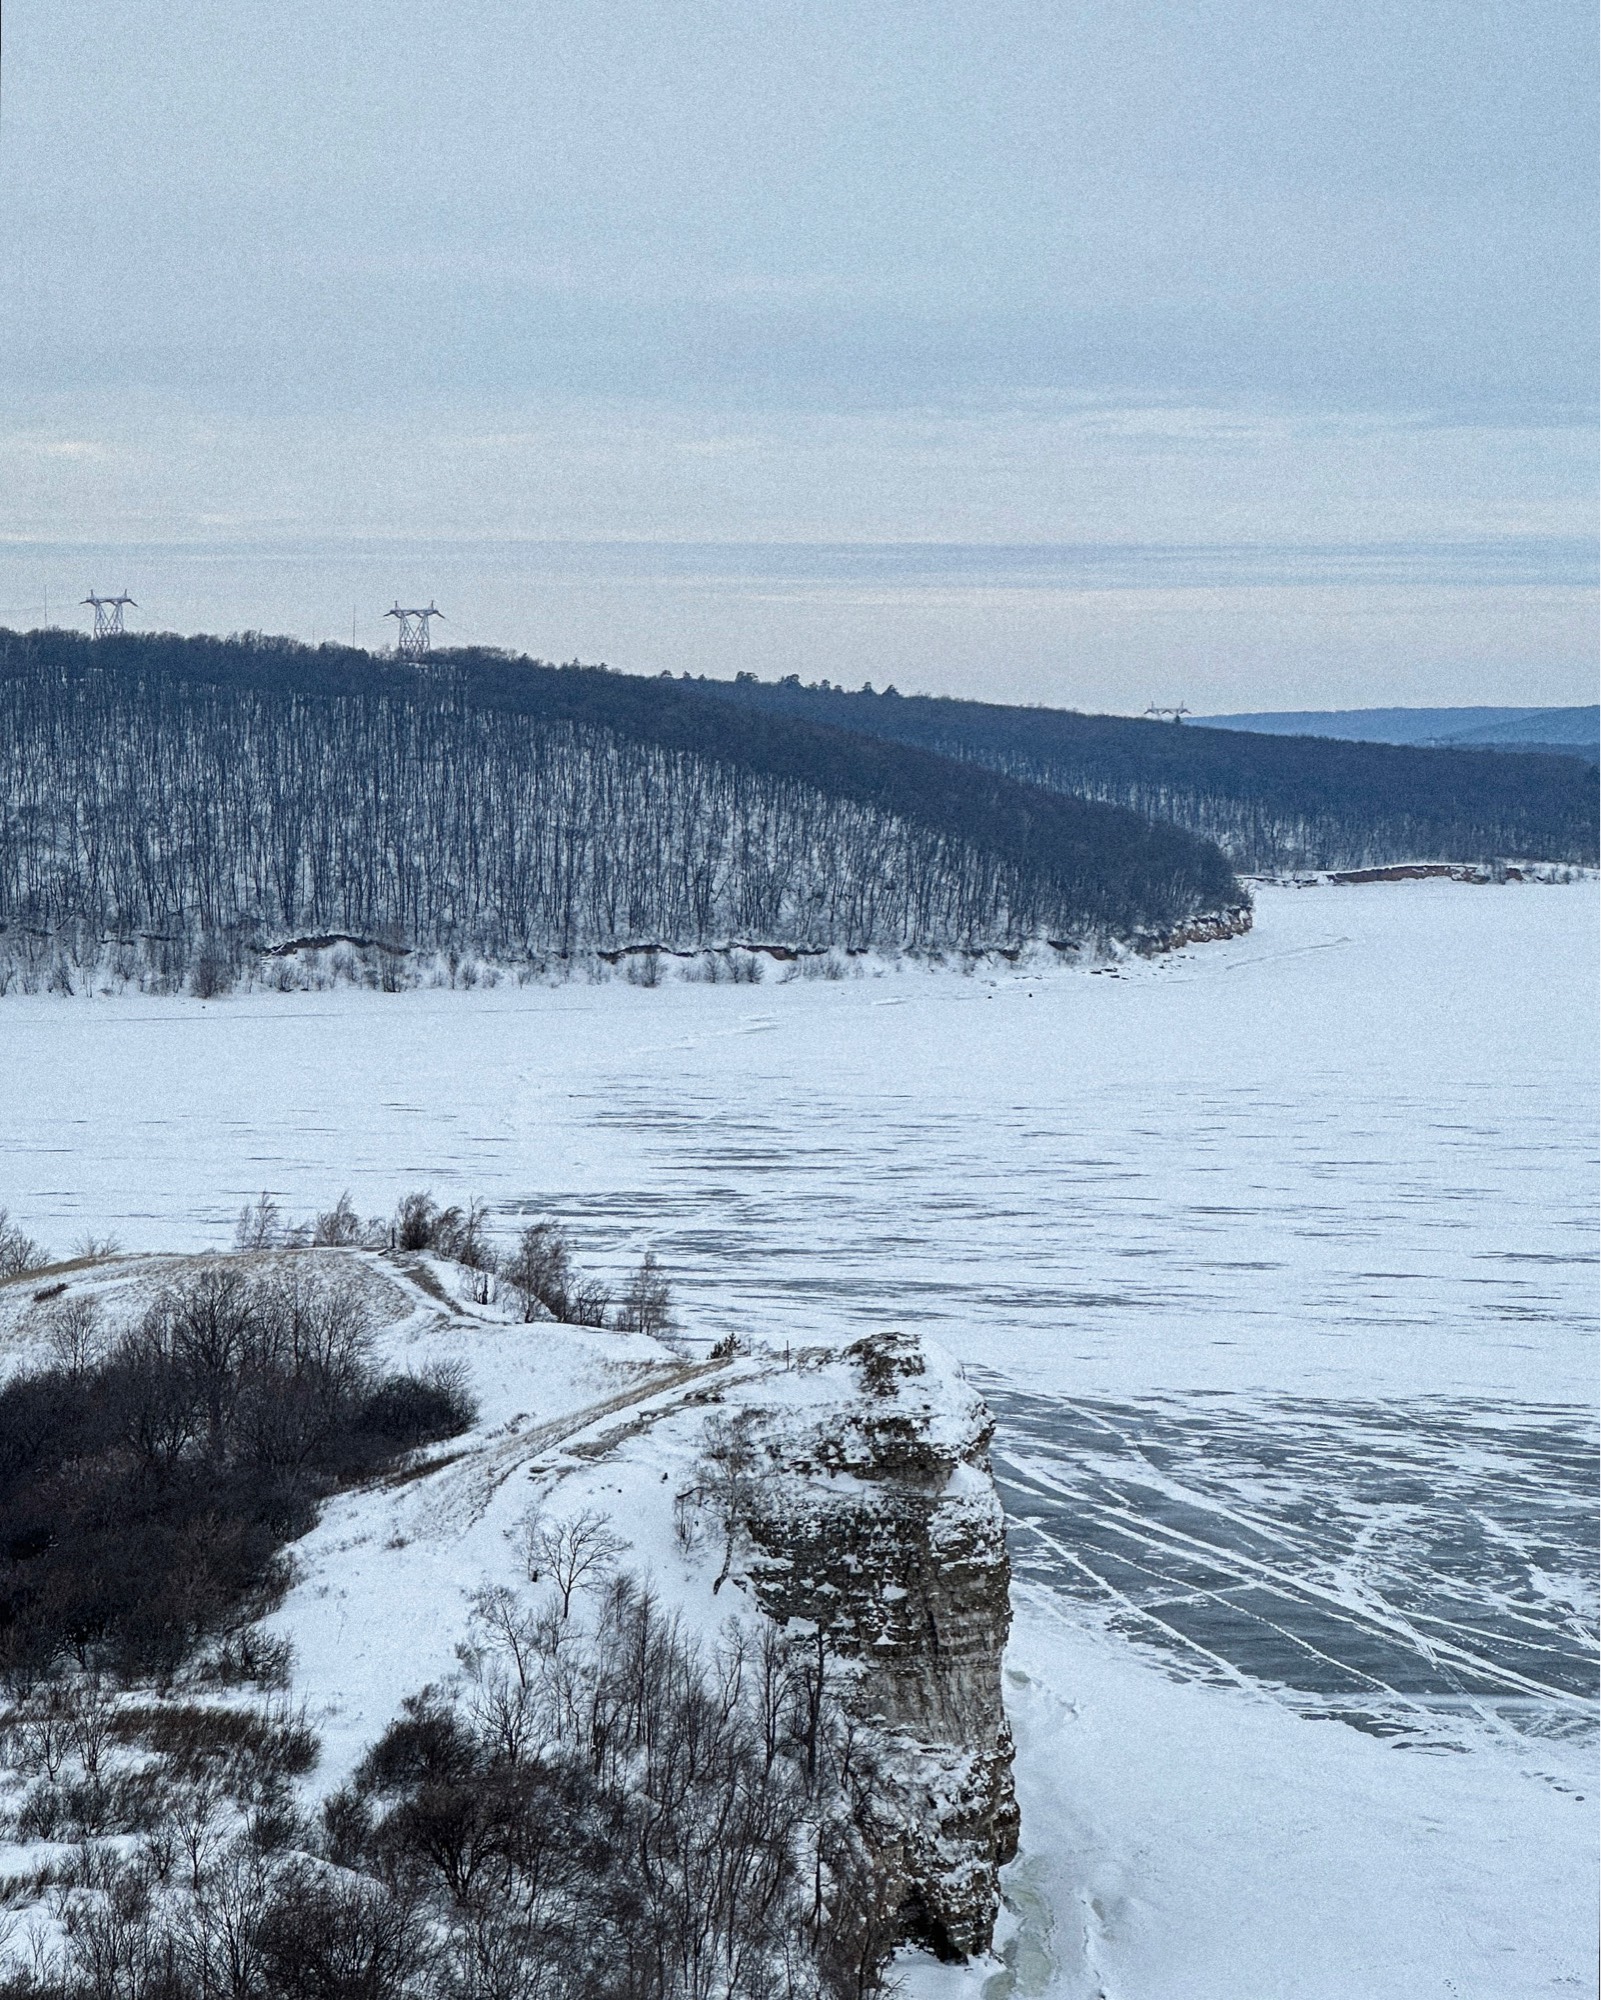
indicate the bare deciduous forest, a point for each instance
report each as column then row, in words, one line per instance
column 180, row 791
column 1270, row 802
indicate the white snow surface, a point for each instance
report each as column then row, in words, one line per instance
column 1275, row 1258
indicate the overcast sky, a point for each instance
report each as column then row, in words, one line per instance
column 1130, row 272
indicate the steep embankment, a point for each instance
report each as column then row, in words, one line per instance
column 870, row 1517
column 803, row 1549
column 196, row 802
column 1270, row 802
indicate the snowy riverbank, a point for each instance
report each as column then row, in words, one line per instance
column 1316, row 1201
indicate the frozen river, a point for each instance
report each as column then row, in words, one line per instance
column 1278, row 1262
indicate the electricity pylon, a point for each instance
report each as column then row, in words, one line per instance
column 411, row 641
column 108, row 613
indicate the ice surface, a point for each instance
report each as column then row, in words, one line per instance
column 1277, row 1260
column 1425, row 1571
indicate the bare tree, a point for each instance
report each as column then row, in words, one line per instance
column 647, row 1305
column 730, row 1479
column 574, row 1553
column 463, row 1235
column 587, row 1303
column 18, row 1252
column 519, row 1634
column 539, row 1271
column 74, row 1334
column 580, row 815
column 337, row 1227
column 260, row 1225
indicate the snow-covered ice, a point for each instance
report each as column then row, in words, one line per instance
column 1276, row 1259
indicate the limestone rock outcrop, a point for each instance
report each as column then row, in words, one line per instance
column 872, row 1518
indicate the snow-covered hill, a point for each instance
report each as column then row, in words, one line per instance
column 837, row 1498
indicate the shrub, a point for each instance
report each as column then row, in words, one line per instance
column 338, row 1227
column 249, row 1656
column 647, row 1305
column 247, row 1750
column 540, row 1270
column 457, row 1233
column 213, row 973
column 19, row 1253
column 145, row 1493
column 407, row 1410
column 416, row 1220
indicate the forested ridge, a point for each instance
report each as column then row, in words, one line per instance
column 1270, row 802
column 177, row 789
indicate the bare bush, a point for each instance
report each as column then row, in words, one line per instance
column 39, row 1731
column 19, row 1253
column 260, row 1225
column 213, row 971
column 608, row 1812
column 647, row 1305
column 249, row 1656
column 246, row 1751
column 540, row 1271
column 93, row 1247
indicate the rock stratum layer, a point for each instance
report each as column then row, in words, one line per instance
column 872, row 1518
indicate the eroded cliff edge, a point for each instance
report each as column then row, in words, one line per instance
column 868, row 1516
column 842, row 1496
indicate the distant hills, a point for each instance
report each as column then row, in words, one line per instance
column 190, row 802
column 1558, row 731
column 197, row 799
column 1271, row 801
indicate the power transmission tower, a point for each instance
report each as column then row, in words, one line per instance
column 1155, row 714
column 108, row 613
column 411, row 641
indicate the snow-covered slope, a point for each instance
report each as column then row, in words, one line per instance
column 1277, row 1254
column 860, row 1516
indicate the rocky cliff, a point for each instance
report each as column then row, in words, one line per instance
column 850, row 1490
column 869, row 1517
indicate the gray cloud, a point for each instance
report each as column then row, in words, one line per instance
column 1135, row 270
column 1358, row 205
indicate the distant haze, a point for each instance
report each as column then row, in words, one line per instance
column 1577, row 729
column 1254, row 343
